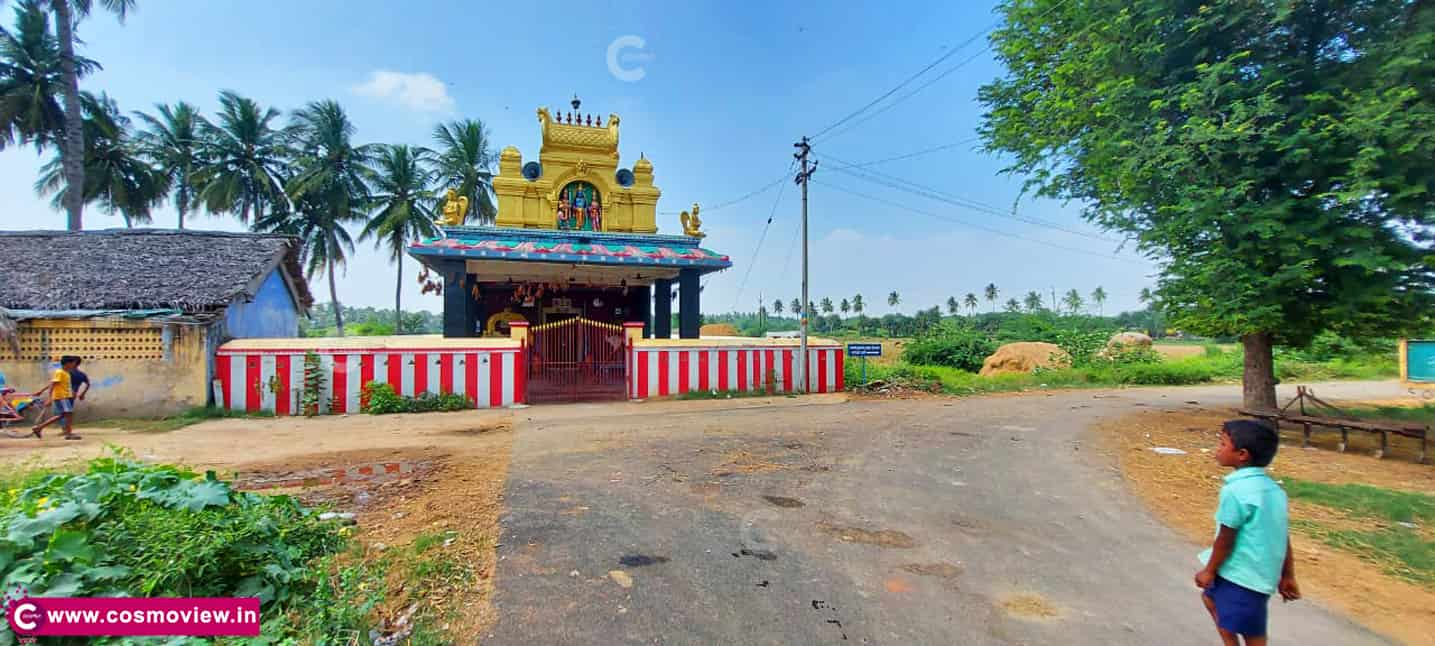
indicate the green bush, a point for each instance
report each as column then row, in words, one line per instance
column 953, row 347
column 121, row 527
column 380, row 399
column 1084, row 346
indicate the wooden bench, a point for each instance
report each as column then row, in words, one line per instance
column 1345, row 425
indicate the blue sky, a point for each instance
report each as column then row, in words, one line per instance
column 725, row 90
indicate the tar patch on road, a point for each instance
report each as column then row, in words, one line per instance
column 761, row 555
column 783, row 501
column 639, row 560
column 880, row 537
column 940, row 570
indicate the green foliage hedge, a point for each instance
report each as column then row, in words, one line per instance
column 121, row 527
column 955, row 347
column 380, row 399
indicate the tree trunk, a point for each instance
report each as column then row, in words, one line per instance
column 398, row 299
column 1258, row 384
column 72, row 146
column 334, row 300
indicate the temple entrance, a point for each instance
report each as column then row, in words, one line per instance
column 576, row 359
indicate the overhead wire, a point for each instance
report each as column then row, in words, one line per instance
column 946, row 218
column 743, row 285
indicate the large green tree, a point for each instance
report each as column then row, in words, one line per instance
column 465, row 164
column 68, row 14
column 1272, row 157
column 30, row 80
column 329, row 185
column 245, row 160
column 171, row 141
column 117, row 176
column 403, row 209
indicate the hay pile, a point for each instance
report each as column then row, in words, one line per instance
column 718, row 329
column 1024, row 357
column 1129, row 340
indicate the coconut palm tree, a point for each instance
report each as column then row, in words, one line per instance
column 991, row 293
column 403, row 209
column 894, row 299
column 826, row 305
column 845, row 306
column 1146, row 297
column 245, row 160
column 953, row 307
column 1012, row 305
column 795, row 307
column 857, row 304
column 68, row 13
column 30, row 79
column 465, row 163
column 1032, row 301
column 1098, row 296
column 970, row 300
column 117, row 176
column 777, row 306
column 1073, row 302
column 330, row 183
column 171, row 142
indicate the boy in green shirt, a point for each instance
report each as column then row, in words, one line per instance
column 1251, row 557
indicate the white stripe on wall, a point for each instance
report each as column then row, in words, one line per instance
column 693, row 365
column 652, row 357
column 731, row 369
column 507, row 386
column 326, row 394
column 483, row 398
column 831, row 370
column 381, row 367
column 432, row 368
column 672, row 358
column 407, row 374
column 355, row 365
column 266, row 376
column 237, row 380
column 713, row 368
column 296, row 383
column 812, row 371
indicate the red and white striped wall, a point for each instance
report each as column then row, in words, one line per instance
column 269, row 380
column 662, row 371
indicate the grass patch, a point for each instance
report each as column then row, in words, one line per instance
column 193, row 416
column 1424, row 414
column 426, row 541
column 1401, row 552
column 1365, row 501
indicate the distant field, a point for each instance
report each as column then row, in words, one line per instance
column 1177, row 350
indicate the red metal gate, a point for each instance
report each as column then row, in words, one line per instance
column 576, row 360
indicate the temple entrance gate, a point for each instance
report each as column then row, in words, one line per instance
column 576, row 359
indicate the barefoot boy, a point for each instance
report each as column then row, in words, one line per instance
column 1251, row 556
column 62, row 398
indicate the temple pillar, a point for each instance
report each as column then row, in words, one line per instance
column 690, row 319
column 458, row 305
column 662, row 308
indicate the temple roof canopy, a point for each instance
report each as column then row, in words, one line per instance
column 666, row 255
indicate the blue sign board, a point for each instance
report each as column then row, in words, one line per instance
column 1420, row 361
column 864, row 349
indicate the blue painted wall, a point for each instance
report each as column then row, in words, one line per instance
column 271, row 314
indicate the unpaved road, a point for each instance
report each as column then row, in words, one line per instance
column 934, row 521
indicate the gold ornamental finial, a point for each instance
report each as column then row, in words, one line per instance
column 692, row 224
column 455, row 207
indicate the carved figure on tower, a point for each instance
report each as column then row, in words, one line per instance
column 455, row 207
column 692, row 223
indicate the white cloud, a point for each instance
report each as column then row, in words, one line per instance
column 421, row 92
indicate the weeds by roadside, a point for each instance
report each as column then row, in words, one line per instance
column 169, row 423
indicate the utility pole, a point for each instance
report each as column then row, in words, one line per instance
column 803, row 149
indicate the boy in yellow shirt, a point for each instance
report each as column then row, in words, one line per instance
column 62, row 399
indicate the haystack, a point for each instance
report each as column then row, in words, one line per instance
column 1129, row 340
column 1024, row 357
column 718, row 329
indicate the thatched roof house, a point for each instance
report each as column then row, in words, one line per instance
column 194, row 272
column 145, row 309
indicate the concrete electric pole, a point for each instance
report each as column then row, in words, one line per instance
column 803, row 149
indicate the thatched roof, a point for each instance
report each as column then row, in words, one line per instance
column 193, row 271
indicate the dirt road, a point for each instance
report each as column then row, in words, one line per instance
column 938, row 521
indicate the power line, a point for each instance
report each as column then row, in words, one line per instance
column 755, row 192
column 919, row 153
column 909, row 186
column 752, row 263
column 972, row 225
column 951, row 52
column 929, row 83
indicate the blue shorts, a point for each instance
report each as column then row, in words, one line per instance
column 64, row 406
column 1238, row 610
